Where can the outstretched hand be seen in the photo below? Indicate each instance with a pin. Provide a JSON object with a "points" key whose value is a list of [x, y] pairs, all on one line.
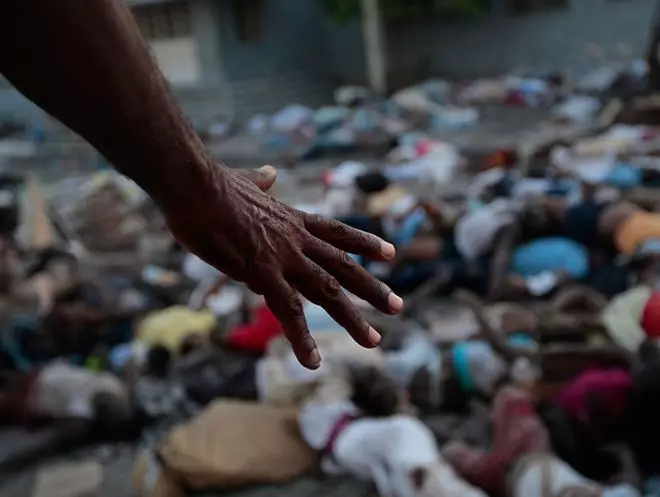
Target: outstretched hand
{"points": [[281, 252]]}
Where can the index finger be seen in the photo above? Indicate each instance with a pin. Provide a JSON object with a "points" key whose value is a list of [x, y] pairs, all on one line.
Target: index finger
{"points": [[349, 239]]}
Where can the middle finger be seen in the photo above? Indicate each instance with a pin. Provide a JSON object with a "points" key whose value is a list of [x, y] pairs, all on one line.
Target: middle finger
{"points": [[324, 290], [354, 277]]}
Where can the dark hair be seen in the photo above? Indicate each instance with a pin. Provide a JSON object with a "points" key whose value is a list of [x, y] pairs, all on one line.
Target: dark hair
{"points": [[158, 361], [110, 410], [372, 182], [642, 418], [190, 343], [373, 392]]}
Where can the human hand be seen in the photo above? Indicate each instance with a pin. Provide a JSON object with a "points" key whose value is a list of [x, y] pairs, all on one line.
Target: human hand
{"points": [[280, 252]]}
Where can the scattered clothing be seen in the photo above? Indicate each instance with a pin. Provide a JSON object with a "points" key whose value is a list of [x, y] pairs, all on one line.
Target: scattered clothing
{"points": [[170, 327]]}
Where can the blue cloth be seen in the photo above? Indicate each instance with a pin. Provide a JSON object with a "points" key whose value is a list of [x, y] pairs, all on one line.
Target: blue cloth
{"points": [[625, 176], [522, 340], [119, 357], [409, 228], [461, 357], [461, 360], [551, 254], [562, 187]]}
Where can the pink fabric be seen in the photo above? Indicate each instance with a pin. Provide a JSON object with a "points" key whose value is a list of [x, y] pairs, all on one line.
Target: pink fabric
{"points": [[609, 387], [517, 431], [424, 147]]}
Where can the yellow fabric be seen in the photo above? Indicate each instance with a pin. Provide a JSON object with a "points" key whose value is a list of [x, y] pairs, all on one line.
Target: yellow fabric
{"points": [[379, 203], [169, 327], [638, 228], [623, 315]]}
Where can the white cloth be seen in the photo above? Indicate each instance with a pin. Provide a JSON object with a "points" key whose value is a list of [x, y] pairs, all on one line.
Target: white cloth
{"points": [[540, 284], [317, 420], [388, 450], [476, 231], [345, 174], [622, 318], [417, 351], [485, 180], [64, 391], [223, 303], [487, 368], [561, 477]]}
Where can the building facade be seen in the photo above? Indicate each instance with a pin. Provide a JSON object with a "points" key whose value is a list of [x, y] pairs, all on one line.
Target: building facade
{"points": [[235, 58], [529, 34], [238, 57]]}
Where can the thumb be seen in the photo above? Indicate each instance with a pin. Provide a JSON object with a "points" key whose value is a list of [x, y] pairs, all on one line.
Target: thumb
{"points": [[264, 177]]}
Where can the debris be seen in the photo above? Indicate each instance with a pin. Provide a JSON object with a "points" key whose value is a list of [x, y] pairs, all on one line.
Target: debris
{"points": [[69, 480]]}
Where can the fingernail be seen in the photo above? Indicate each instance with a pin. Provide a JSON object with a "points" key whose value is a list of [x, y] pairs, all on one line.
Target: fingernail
{"points": [[267, 170], [395, 302], [387, 250], [314, 358], [374, 336]]}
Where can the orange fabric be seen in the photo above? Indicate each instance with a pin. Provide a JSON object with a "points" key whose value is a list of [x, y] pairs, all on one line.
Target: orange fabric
{"points": [[501, 158], [638, 228]]}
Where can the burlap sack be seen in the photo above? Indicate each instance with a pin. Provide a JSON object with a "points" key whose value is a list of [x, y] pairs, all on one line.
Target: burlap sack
{"points": [[151, 479], [236, 443]]}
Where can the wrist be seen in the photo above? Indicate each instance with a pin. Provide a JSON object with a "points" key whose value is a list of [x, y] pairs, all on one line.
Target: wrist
{"points": [[181, 181]]}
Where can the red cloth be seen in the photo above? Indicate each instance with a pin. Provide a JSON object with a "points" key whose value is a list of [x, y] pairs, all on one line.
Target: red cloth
{"points": [[337, 429], [424, 147], [517, 431], [255, 336], [650, 321], [609, 388]]}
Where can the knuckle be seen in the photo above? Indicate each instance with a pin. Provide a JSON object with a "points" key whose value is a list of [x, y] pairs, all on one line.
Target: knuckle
{"points": [[330, 286], [346, 262]]}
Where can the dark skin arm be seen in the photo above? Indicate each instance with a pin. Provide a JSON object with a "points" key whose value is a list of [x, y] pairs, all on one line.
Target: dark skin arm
{"points": [[52, 441], [506, 241], [85, 63], [559, 353], [496, 340]]}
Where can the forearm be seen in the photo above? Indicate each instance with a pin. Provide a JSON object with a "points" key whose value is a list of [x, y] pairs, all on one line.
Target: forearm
{"points": [[500, 264], [85, 62]]}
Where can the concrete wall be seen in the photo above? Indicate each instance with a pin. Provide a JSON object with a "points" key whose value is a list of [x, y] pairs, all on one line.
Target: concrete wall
{"points": [[500, 41], [288, 64]]}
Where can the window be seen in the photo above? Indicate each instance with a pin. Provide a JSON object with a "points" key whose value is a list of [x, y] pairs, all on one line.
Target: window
{"points": [[248, 16], [164, 20], [533, 6]]}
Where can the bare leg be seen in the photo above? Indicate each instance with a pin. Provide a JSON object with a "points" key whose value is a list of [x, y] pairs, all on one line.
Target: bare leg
{"points": [[578, 297]]}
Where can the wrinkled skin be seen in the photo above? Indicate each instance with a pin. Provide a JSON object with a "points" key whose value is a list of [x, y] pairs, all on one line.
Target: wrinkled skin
{"points": [[280, 252]]}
